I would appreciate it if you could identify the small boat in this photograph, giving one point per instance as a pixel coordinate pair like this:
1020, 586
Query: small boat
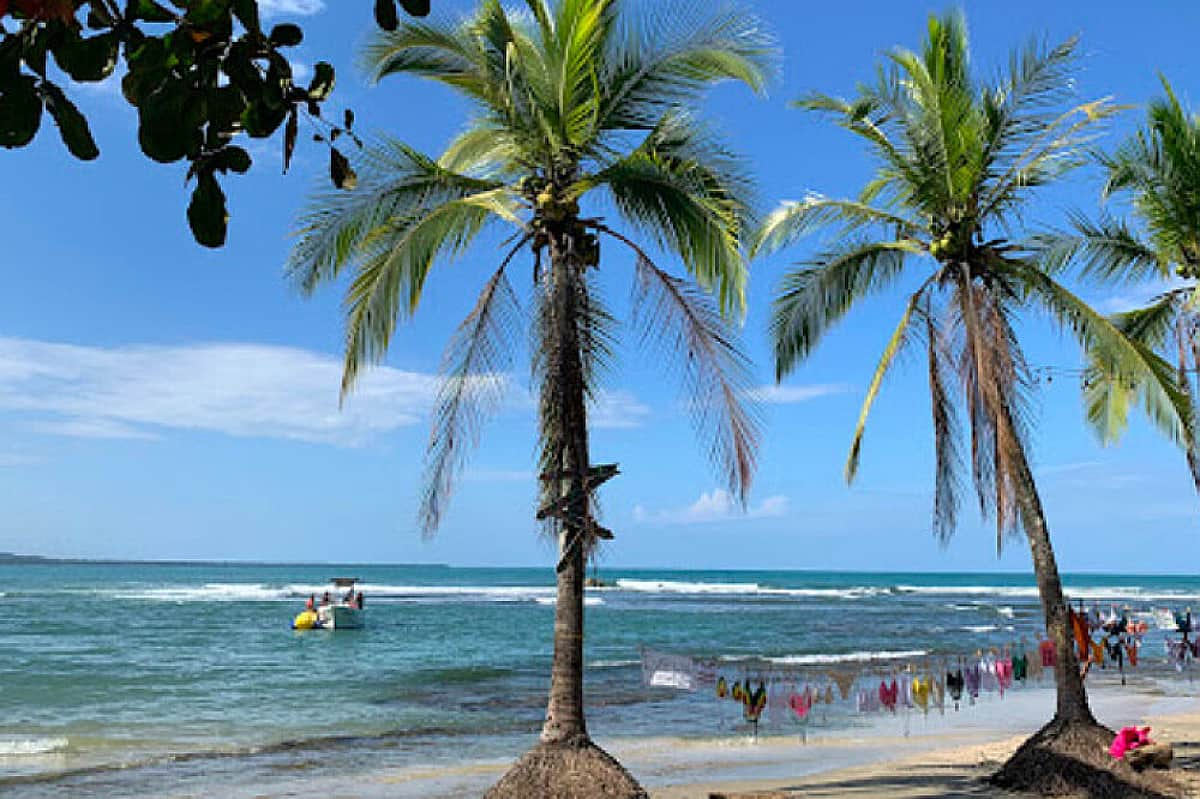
339, 615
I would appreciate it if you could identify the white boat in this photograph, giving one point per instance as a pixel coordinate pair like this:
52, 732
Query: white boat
340, 614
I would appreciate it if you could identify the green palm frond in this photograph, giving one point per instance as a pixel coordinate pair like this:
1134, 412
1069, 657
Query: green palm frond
1118, 356
665, 57
1108, 249
395, 260
396, 182
683, 188
899, 339
794, 220
947, 457
473, 368
812, 299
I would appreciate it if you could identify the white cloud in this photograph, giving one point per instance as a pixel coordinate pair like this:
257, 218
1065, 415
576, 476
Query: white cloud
13, 459
304, 8
248, 390
783, 395
617, 410
714, 506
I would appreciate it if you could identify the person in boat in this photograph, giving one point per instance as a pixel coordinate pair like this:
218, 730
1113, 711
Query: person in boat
358, 600
311, 602
326, 600
348, 599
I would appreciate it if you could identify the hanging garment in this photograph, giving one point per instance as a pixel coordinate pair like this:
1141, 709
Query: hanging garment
1020, 667
801, 704
778, 709
1033, 667
722, 688
1131, 648
755, 702
829, 693
1079, 628
937, 694
988, 679
868, 701
1177, 652
954, 686
974, 680
920, 693
888, 695
904, 696
1097, 648
1004, 673
1049, 653
844, 679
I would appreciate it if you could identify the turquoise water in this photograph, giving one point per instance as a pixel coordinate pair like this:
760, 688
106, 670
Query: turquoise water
120, 679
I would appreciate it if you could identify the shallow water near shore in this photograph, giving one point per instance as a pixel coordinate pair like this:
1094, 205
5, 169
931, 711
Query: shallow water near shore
142, 680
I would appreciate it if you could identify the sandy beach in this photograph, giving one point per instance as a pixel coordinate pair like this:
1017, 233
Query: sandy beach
947, 772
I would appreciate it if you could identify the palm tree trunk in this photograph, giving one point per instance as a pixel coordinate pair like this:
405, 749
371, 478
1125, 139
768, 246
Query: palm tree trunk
1185, 384
564, 712
1072, 699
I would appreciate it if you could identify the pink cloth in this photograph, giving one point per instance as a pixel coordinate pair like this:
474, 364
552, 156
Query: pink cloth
1128, 739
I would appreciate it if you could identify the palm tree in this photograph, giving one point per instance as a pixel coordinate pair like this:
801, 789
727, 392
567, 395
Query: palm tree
572, 100
1158, 170
958, 161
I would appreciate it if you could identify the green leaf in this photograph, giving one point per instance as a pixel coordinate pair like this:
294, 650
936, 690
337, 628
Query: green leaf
163, 132
20, 112
87, 60
72, 125
203, 13
206, 212
233, 159
286, 35
385, 15
344, 177
149, 11
418, 8
247, 13
261, 120
322, 82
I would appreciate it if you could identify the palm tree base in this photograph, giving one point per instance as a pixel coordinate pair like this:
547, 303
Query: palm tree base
573, 769
1070, 758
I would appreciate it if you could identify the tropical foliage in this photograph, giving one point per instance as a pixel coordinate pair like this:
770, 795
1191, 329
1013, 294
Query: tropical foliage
574, 103
1158, 171
199, 72
957, 162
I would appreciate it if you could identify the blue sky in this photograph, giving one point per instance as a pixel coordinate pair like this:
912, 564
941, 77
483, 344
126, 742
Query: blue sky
159, 400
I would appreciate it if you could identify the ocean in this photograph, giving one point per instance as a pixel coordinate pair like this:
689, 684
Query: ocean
150, 680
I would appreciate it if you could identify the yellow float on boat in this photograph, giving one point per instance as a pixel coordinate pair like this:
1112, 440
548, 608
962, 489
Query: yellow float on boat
305, 620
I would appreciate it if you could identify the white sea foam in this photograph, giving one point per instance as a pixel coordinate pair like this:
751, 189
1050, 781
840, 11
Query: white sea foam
258, 592
587, 600
1005, 611
17, 747
1030, 592
845, 657
612, 664
980, 628
742, 589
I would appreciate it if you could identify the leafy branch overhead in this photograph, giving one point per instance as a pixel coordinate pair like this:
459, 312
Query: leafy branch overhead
199, 73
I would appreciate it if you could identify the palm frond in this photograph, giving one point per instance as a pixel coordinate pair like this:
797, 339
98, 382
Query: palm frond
693, 196
397, 182
1107, 249
682, 318
947, 457
473, 367
899, 339
1117, 355
793, 220
812, 299
390, 276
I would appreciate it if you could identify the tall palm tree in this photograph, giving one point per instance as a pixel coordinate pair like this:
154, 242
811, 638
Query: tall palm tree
572, 100
1157, 169
958, 161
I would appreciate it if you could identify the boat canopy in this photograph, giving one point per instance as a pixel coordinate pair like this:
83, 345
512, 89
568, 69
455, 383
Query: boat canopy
344, 582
